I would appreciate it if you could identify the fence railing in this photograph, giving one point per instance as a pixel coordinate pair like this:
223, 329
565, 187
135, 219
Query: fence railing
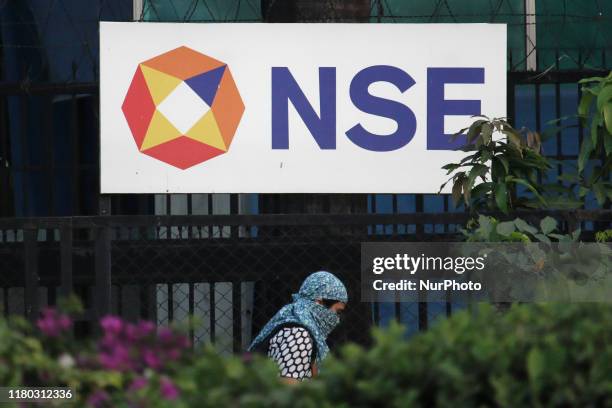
232, 272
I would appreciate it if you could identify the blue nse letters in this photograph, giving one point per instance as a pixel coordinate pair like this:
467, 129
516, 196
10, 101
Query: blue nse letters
323, 127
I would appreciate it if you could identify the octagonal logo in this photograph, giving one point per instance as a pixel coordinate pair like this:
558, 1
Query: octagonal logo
183, 107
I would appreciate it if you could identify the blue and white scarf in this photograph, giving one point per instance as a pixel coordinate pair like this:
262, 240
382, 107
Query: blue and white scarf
304, 311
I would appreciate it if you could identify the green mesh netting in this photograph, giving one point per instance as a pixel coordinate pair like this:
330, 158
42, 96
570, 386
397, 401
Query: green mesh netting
570, 34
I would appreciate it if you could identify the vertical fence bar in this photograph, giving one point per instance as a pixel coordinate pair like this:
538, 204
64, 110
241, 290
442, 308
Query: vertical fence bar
191, 303
237, 315
213, 309
6, 199
102, 298
170, 302
49, 159
66, 241
25, 157
420, 234
31, 273
76, 154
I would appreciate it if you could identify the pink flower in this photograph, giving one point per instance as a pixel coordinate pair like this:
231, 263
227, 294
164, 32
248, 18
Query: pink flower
174, 354
165, 335
143, 329
98, 399
138, 383
151, 359
111, 325
183, 342
52, 323
117, 358
247, 357
168, 390
146, 327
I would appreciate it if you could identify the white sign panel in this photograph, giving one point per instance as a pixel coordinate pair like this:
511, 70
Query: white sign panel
291, 108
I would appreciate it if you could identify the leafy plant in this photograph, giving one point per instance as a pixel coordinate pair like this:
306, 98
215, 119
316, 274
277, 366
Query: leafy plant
487, 178
604, 236
595, 112
490, 229
533, 355
549, 355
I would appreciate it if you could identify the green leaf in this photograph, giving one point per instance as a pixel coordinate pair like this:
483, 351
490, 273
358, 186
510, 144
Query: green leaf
600, 193
548, 225
536, 366
513, 138
591, 79
569, 177
451, 167
504, 162
583, 191
595, 89
608, 144
506, 228
585, 152
563, 203
585, 104
501, 197
542, 238
522, 225
479, 170
529, 186
487, 133
548, 133
486, 156
594, 129
604, 96
607, 114
457, 134
561, 237
466, 190
474, 130
456, 192
481, 189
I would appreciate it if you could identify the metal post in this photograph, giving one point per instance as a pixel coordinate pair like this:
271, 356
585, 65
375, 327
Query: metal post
102, 294
237, 315
31, 273
531, 60
137, 9
66, 239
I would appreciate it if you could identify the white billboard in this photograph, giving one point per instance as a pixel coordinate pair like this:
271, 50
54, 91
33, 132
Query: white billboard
291, 108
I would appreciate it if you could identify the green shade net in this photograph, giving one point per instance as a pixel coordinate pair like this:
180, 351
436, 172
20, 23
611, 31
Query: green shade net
570, 34
202, 10
510, 12
574, 34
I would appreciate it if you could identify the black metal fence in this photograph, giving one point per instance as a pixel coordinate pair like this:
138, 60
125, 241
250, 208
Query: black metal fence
230, 271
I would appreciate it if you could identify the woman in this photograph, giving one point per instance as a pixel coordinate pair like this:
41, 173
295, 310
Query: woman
296, 336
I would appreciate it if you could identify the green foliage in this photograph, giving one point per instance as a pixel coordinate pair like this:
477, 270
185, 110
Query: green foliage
490, 229
487, 178
547, 265
537, 355
604, 236
533, 355
595, 112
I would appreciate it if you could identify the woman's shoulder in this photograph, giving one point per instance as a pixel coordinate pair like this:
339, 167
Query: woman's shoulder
293, 331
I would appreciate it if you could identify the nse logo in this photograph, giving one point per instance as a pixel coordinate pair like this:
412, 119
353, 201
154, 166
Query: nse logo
183, 107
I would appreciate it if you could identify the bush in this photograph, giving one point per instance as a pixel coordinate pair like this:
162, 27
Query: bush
532, 355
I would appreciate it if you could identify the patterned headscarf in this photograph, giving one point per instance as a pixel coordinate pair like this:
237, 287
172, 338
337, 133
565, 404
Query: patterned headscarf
316, 318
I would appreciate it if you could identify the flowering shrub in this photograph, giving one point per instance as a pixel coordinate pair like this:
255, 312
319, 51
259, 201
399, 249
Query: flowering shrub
136, 347
532, 355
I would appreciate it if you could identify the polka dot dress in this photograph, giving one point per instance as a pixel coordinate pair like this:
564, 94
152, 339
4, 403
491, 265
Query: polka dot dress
292, 350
